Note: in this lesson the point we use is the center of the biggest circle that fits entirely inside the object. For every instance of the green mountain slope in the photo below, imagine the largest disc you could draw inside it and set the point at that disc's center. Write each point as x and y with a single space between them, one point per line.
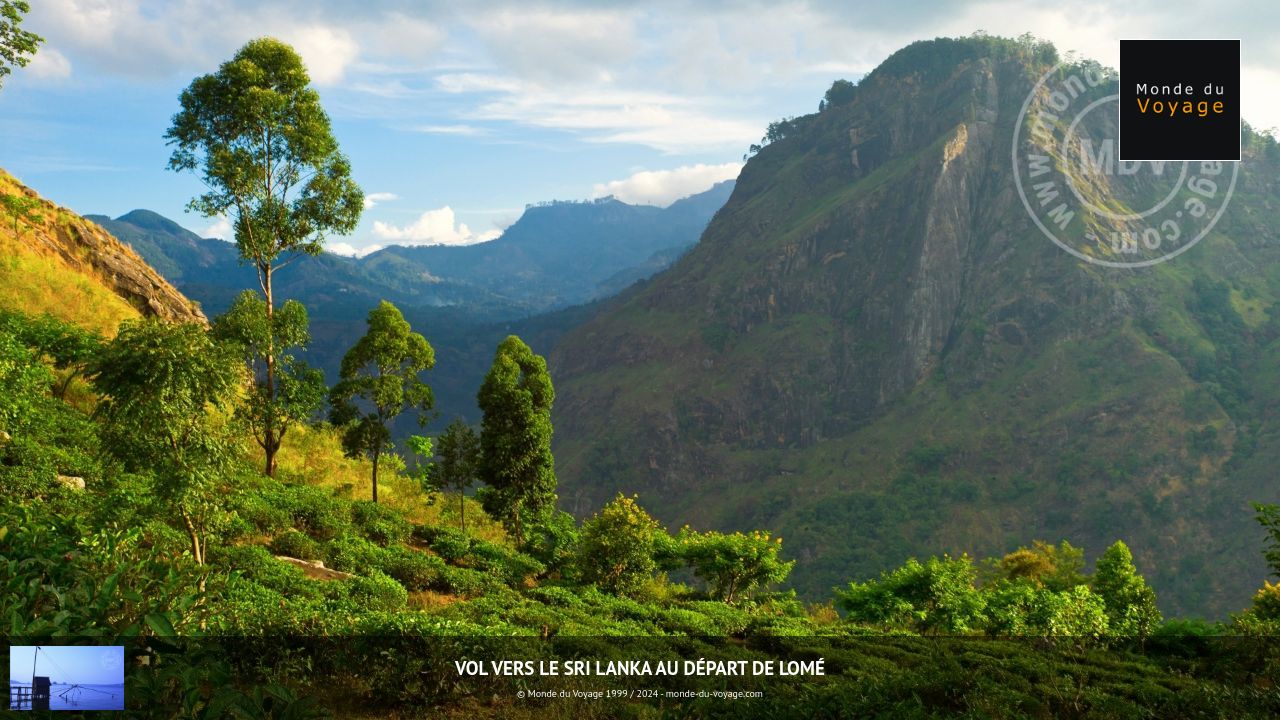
874 351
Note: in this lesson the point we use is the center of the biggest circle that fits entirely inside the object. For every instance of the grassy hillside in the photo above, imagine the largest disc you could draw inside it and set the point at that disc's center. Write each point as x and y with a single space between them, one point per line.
36 280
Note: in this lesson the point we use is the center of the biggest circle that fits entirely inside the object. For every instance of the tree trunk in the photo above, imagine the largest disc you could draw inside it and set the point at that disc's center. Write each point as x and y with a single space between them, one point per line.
376 453
462 510
270 443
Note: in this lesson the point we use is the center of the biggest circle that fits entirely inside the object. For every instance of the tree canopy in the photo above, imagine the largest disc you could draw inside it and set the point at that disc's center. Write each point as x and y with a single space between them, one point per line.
16 45
379 380
515 436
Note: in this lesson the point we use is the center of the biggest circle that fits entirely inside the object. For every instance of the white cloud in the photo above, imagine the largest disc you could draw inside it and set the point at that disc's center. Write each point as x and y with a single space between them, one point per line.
434 227
49 64
663 187
466 130
221 229
326 51
667 122
559 44
349 250
372 199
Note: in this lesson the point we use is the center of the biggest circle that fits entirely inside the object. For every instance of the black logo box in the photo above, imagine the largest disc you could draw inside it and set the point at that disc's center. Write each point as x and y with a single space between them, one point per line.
1180 65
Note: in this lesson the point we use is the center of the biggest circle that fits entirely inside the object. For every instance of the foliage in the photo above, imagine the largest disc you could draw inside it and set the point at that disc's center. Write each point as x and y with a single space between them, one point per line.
16 45
841 92
160 383
378 381
257 134
616 547
296 545
1269 518
515 437
22 381
19 208
377 591
458 449
297 392
1130 602
69 347
383 526
734 564
1266 602
1057 568
935 596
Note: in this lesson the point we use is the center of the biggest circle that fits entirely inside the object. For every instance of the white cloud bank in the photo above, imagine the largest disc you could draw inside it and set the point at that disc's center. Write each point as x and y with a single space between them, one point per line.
434 227
663 187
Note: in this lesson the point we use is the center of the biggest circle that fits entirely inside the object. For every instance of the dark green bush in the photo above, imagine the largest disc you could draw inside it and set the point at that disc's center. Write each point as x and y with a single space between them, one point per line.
255 563
414 570
448 543
379 523
354 554
297 545
315 511
509 564
378 592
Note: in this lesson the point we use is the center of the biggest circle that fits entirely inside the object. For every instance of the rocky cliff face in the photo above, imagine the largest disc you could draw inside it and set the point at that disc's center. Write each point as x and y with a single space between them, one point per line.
82 247
875 351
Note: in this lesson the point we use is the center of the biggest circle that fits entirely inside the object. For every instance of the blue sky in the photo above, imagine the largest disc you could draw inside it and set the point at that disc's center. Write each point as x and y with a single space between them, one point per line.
80 665
456 115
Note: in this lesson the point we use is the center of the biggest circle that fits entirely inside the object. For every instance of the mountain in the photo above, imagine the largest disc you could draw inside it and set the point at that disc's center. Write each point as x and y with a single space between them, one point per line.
604 241
59 263
210 271
875 351
465 300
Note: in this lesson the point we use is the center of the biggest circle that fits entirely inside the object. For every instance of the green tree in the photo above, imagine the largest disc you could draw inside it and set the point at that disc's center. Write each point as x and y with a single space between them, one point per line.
616 547
937 595
23 379
16 45
70 347
1056 567
515 436
20 209
299 390
841 92
1269 518
161 385
1130 602
458 450
733 564
263 146
379 380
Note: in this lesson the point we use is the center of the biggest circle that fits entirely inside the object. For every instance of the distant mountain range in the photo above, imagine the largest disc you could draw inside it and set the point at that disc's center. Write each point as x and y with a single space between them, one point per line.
555 256
531 281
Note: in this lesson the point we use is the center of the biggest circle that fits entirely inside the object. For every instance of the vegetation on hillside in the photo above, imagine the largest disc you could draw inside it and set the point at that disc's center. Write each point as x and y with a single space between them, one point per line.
141 511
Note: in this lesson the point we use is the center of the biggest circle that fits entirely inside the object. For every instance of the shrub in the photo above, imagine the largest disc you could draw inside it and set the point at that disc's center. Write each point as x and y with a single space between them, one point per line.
255 563
379 523
450 544
315 511
297 545
378 591
733 564
351 553
262 512
513 566
414 570
463 581
616 549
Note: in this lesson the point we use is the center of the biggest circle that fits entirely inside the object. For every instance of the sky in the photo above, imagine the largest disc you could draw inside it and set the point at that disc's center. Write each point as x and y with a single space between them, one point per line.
455 115
80 665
